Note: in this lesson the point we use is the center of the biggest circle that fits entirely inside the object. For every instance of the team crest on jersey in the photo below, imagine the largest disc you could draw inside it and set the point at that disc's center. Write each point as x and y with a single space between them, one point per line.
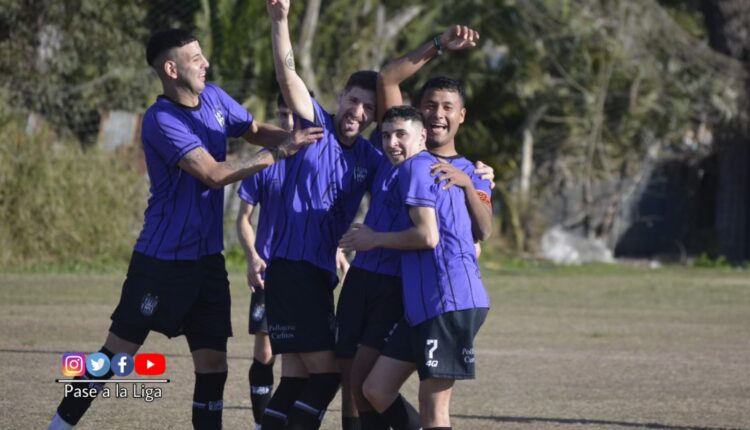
219 117
148 304
258 312
359 174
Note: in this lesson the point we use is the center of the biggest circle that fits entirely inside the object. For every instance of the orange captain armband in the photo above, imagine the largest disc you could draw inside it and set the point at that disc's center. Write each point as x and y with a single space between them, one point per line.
485 198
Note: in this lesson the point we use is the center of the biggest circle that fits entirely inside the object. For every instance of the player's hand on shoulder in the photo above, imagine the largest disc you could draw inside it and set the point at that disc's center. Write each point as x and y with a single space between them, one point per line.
485 172
459 37
359 238
300 138
451 175
277 9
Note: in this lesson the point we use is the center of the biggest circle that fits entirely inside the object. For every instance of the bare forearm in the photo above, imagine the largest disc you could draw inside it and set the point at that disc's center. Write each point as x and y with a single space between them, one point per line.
404 67
246 236
283 56
291 85
397 71
268 136
405 240
480 213
236 170
202 165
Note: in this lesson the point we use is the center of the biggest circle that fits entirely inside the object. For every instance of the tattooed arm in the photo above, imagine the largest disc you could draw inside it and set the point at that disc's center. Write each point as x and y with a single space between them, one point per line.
295 91
216 174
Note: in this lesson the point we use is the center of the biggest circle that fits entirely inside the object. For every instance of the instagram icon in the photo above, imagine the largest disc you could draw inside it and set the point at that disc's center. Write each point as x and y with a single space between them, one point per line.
74 364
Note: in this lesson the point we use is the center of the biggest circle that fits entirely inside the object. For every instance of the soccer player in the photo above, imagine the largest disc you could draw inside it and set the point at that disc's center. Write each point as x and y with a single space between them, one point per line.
444 300
370 301
442 102
177 283
322 191
362 300
263 188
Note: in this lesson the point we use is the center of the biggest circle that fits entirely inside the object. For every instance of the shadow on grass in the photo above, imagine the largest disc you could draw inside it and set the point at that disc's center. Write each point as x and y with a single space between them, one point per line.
583 421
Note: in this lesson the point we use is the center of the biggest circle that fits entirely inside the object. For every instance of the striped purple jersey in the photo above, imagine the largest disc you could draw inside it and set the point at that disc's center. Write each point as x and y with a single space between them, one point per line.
446 278
385 214
184 218
322 190
264 189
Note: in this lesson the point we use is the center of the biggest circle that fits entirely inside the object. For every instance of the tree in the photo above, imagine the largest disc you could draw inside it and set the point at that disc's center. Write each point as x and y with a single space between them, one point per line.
727 22
67 61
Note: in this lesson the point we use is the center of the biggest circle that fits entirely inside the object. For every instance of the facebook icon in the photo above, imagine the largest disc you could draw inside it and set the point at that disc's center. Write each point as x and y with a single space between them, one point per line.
122 364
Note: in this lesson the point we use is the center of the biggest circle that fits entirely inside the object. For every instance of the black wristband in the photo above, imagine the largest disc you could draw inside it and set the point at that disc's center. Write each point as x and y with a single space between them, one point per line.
438 46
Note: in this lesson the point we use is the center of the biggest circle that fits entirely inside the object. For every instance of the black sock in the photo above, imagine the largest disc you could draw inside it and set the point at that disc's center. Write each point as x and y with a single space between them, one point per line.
71 409
289 389
401 415
350 423
307 412
208 400
261 387
372 420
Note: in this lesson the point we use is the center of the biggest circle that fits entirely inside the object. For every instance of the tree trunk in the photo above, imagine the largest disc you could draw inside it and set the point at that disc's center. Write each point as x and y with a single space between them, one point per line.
304 50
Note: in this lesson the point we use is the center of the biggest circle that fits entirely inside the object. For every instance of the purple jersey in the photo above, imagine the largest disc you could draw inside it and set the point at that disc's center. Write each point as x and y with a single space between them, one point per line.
385 214
184 218
322 191
264 189
446 278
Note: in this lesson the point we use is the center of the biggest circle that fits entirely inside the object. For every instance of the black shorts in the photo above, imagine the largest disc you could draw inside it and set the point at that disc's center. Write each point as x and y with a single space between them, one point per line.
174 298
369 305
299 307
258 321
441 347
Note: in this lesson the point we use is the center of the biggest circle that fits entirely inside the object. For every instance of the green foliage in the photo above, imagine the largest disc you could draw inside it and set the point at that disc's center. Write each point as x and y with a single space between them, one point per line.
613 78
704 260
69 60
60 203
687 14
235 259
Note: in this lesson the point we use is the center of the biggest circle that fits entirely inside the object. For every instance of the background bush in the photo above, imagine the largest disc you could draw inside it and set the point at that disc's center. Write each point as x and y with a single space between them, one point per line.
59 202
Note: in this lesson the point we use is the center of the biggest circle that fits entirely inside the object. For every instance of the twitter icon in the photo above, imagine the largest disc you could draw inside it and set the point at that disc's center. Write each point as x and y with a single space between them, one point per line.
97 364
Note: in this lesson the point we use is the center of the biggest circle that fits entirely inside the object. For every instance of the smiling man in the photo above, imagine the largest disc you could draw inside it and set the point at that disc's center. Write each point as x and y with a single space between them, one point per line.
323 188
370 301
443 297
177 283
442 102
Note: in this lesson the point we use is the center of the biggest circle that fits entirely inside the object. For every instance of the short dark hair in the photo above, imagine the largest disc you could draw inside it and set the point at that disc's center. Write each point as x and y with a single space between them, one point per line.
403 112
365 79
442 83
166 39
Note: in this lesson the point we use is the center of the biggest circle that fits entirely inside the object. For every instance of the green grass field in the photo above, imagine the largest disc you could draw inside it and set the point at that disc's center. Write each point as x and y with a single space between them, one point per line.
577 348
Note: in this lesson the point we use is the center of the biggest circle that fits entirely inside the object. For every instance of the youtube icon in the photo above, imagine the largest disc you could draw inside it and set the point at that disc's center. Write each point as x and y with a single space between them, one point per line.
150 364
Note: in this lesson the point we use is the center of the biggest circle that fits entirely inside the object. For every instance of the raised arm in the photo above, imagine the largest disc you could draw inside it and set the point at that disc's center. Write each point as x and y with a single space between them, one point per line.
424 234
293 88
455 38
